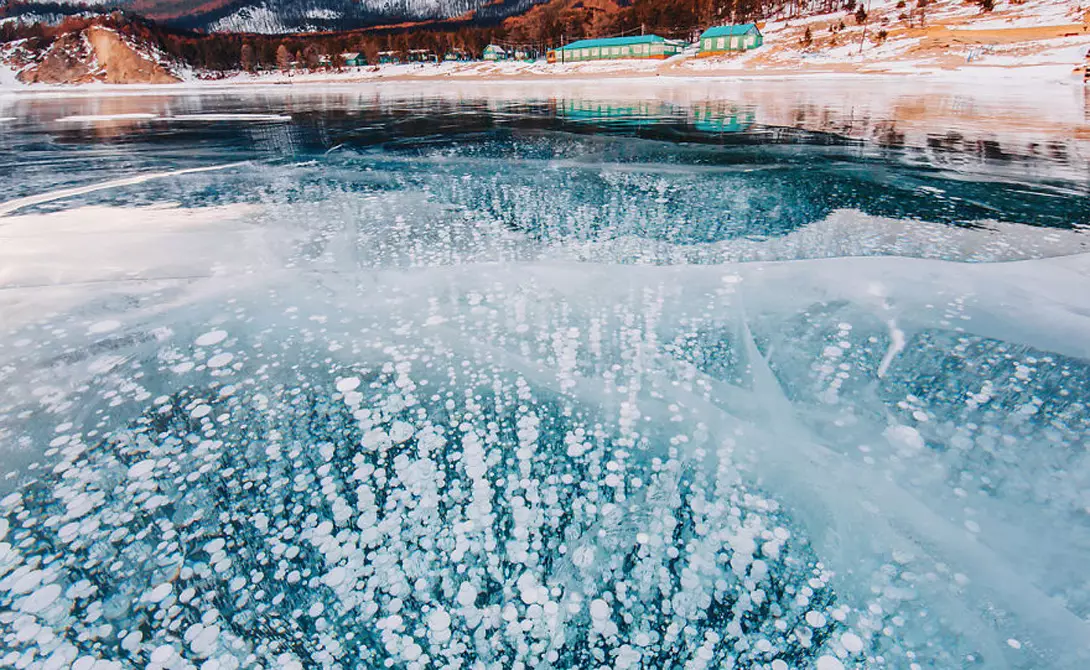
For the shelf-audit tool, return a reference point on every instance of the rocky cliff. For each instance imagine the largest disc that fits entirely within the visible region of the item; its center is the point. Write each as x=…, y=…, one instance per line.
x=96, y=54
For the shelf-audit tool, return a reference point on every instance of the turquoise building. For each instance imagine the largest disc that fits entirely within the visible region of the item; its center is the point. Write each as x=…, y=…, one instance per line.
x=614, y=48
x=727, y=39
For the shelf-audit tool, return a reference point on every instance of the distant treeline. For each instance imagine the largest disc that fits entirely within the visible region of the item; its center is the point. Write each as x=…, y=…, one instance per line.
x=545, y=25
x=559, y=21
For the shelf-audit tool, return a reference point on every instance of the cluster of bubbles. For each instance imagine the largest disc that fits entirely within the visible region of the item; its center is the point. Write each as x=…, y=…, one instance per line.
x=429, y=439
x=387, y=516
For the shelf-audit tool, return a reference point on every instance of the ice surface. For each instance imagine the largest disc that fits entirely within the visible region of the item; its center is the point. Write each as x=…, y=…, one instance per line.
x=414, y=410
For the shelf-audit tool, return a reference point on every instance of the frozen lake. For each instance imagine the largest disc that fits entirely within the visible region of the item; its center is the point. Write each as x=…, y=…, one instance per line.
x=757, y=375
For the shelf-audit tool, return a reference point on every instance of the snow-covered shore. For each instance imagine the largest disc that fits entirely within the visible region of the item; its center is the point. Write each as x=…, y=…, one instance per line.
x=1035, y=41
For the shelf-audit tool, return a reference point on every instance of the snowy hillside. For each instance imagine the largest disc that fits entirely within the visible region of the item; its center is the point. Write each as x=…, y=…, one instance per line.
x=278, y=16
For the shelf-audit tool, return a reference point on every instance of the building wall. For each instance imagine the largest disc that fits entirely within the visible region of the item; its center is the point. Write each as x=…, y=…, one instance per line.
x=650, y=50
x=711, y=46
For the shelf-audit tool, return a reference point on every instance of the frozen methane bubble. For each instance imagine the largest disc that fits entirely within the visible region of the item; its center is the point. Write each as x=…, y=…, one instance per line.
x=404, y=548
x=220, y=360
x=348, y=384
x=210, y=338
x=104, y=326
x=40, y=599
x=562, y=465
x=851, y=642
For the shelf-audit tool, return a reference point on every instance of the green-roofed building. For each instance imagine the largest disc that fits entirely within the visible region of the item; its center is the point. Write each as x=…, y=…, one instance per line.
x=727, y=39
x=495, y=52
x=615, y=48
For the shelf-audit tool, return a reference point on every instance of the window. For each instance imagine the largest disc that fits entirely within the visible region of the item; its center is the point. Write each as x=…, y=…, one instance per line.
x=594, y=51
x=615, y=51
x=721, y=43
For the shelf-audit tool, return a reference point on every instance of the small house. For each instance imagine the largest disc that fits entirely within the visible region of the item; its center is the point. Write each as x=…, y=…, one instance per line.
x=420, y=56
x=456, y=56
x=726, y=39
x=495, y=52
x=353, y=59
x=614, y=48
x=389, y=57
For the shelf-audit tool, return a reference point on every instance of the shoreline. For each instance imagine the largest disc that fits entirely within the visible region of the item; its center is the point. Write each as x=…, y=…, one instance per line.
x=1041, y=74
x=1036, y=43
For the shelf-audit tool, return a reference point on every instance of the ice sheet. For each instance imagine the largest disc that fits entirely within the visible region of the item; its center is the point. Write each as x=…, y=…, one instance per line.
x=726, y=424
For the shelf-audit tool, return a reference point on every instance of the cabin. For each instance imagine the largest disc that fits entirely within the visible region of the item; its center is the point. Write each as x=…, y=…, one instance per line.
x=353, y=59
x=728, y=39
x=420, y=56
x=614, y=48
x=457, y=56
x=495, y=52
x=389, y=57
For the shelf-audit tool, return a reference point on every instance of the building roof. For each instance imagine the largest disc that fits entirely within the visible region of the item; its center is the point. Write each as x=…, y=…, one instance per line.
x=496, y=47
x=730, y=31
x=613, y=42
x=349, y=55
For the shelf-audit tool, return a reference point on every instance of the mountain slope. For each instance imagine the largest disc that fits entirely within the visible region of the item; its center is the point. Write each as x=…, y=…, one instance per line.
x=96, y=54
x=282, y=16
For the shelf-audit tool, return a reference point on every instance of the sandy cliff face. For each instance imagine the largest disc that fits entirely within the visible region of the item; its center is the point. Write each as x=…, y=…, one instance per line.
x=121, y=64
x=95, y=54
x=68, y=61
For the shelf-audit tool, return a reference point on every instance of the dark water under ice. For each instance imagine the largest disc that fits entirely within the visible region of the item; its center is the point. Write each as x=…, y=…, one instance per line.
x=487, y=379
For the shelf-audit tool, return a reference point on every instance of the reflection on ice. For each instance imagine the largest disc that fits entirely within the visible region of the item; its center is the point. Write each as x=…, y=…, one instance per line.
x=406, y=411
